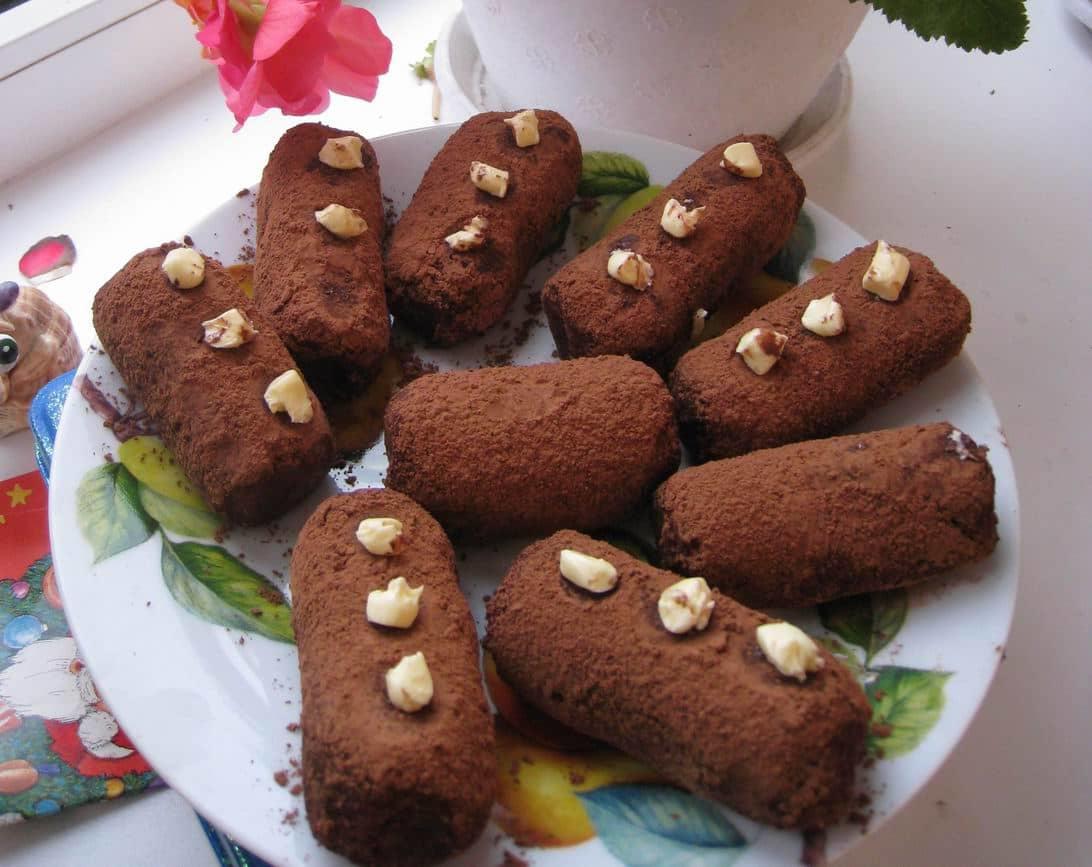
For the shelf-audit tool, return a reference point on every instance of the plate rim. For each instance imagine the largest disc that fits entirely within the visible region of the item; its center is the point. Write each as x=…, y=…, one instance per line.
x=251, y=837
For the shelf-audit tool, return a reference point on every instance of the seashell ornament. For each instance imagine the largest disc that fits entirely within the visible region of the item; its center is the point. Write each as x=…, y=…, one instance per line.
x=37, y=344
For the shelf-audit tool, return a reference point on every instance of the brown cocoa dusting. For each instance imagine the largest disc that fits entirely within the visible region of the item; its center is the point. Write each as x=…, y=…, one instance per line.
x=242, y=194
x=882, y=730
x=290, y=818
x=293, y=727
x=281, y=778
x=187, y=240
x=296, y=789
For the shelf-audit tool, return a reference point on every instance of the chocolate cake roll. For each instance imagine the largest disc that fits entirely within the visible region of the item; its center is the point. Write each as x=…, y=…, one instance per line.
x=706, y=708
x=745, y=221
x=460, y=251
x=385, y=784
x=820, y=384
x=526, y=450
x=321, y=283
x=204, y=375
x=812, y=521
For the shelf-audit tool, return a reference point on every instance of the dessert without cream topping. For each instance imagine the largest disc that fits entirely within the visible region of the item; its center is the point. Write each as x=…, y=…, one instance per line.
x=519, y=450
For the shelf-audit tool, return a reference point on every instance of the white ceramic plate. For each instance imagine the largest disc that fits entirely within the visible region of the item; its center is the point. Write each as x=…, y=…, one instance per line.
x=210, y=706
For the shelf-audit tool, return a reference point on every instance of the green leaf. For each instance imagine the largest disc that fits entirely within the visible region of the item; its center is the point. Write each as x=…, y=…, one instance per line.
x=906, y=704
x=176, y=517
x=211, y=584
x=423, y=67
x=630, y=205
x=152, y=463
x=589, y=216
x=109, y=513
x=609, y=173
x=844, y=655
x=790, y=259
x=657, y=826
x=871, y=621
x=989, y=25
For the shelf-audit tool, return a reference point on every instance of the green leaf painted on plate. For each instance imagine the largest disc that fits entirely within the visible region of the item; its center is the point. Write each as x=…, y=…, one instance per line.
x=151, y=462
x=989, y=25
x=607, y=172
x=177, y=517
x=109, y=513
x=213, y=585
x=906, y=704
x=589, y=216
x=871, y=620
x=629, y=205
x=844, y=655
x=790, y=259
x=657, y=826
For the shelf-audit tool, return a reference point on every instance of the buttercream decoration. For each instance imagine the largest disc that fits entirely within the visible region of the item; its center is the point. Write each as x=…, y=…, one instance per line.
x=48, y=259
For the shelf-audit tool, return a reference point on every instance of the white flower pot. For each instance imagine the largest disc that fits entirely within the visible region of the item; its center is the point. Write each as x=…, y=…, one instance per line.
x=692, y=71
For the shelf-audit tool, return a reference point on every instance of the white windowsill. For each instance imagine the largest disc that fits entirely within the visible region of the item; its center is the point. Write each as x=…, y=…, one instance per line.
x=71, y=68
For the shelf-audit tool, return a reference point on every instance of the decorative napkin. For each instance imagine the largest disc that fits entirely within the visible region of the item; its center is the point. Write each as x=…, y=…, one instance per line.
x=59, y=744
x=45, y=763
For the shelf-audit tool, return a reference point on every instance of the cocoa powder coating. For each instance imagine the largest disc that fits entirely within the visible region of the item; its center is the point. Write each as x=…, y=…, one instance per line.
x=821, y=384
x=208, y=404
x=324, y=294
x=383, y=786
x=705, y=709
x=813, y=521
x=447, y=295
x=746, y=221
x=527, y=450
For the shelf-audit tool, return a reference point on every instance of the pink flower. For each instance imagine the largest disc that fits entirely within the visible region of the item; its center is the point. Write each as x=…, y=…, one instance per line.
x=289, y=54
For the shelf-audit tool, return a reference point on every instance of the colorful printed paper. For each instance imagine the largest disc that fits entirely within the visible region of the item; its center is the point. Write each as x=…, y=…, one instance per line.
x=59, y=744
